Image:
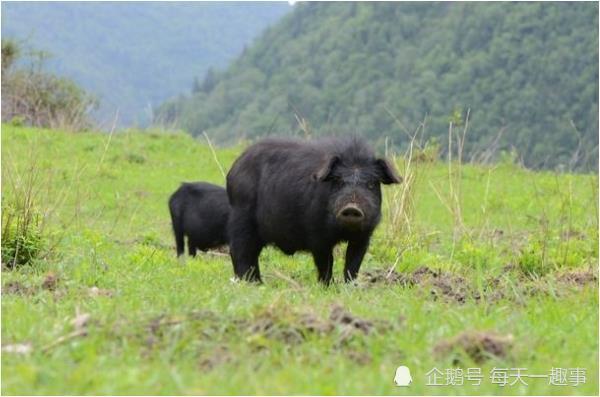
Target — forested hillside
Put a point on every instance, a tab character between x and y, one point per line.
528	73
133	56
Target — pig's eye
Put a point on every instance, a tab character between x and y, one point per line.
371	185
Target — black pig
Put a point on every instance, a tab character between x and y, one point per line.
305	196
199	211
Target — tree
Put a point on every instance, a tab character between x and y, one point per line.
526	69
35	97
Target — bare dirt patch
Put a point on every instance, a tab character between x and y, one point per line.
384	276
272	324
213	358
579	278
294	328
340	316
16	288
478	345
443	285
50	282
512	284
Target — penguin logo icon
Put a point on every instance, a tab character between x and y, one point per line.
402	377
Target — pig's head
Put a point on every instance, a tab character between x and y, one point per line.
353	176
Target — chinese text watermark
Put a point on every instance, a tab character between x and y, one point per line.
504	376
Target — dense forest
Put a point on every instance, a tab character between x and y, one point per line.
133	56
526	74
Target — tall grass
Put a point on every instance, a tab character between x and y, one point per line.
22	221
32	199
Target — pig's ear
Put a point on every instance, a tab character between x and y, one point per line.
324	173
387	172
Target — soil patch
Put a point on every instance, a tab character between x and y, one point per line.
294	328
259	331
50	282
442	284
16	288
579	278
218	356
340	316
455	288
385	276
478	345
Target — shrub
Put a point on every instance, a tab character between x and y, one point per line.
41	99
10	52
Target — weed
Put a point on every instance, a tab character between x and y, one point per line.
22	238
22	227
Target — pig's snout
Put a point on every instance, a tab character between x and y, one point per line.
351	215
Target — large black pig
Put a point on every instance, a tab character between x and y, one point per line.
305	196
199	211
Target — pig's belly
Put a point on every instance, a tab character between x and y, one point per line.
283	239
285	236
280	220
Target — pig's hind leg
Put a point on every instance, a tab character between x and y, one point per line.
191	246
245	246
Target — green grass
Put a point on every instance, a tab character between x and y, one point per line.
173	327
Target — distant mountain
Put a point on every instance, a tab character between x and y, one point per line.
528	72
134	55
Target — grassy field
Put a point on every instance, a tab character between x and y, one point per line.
472	267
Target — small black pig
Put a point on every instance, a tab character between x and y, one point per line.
199	211
305	196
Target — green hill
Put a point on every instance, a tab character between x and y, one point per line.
528	72
133	56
